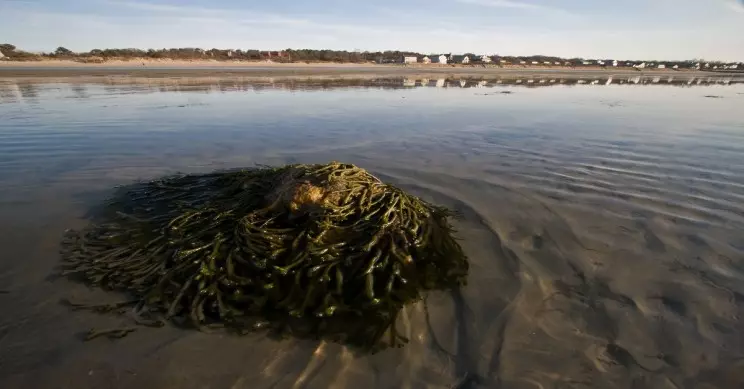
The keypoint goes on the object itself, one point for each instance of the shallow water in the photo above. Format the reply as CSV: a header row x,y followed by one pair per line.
x,y
603,218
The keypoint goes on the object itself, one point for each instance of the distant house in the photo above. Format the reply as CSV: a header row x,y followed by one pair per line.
x,y
547,63
535,63
734,66
675,67
441,59
229,53
587,63
2,55
614,63
440,83
557,63
662,66
426,60
409,59
600,63
523,62
463,59
485,59
503,62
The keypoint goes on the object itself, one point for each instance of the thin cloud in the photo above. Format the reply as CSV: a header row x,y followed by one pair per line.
x,y
513,4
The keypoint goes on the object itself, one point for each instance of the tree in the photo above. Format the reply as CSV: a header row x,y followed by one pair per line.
x,y
7,48
62,51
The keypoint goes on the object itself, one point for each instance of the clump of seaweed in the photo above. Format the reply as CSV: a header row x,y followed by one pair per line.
x,y
326,251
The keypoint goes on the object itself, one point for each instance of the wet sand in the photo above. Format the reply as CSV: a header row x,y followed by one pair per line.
x,y
605,240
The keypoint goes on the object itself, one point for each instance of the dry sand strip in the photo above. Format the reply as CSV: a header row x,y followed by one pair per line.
x,y
155,69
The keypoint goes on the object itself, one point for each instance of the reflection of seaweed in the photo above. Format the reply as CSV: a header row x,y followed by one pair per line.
x,y
309,250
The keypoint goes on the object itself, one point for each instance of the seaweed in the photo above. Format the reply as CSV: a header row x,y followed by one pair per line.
x,y
323,251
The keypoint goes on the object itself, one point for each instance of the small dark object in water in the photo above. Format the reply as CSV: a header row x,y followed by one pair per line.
x,y
325,251
714,96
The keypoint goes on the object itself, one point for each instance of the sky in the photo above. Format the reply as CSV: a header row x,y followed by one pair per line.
x,y
626,29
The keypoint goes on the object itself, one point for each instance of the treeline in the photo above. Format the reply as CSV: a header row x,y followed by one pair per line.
x,y
11,52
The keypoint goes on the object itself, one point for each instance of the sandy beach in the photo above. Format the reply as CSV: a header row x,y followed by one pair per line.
x,y
168,68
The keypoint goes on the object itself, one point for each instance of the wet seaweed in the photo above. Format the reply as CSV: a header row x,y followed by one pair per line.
x,y
324,251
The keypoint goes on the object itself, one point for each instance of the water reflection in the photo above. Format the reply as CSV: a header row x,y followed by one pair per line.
x,y
14,91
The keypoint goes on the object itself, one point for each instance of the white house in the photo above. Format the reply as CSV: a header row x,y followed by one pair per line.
x,y
535,63
640,66
502,61
2,55
485,59
426,60
442,59
675,67
614,63
410,59
735,66
440,82
587,62
601,63
523,62
662,66
547,63
557,63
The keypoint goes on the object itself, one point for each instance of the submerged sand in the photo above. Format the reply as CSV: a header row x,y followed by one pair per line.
x,y
593,264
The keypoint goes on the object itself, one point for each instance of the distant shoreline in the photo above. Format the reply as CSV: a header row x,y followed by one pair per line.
x,y
171,68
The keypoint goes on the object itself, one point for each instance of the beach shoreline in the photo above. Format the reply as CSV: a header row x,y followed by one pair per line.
x,y
170,68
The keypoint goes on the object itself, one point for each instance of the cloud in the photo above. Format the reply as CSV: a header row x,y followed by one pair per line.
x,y
513,4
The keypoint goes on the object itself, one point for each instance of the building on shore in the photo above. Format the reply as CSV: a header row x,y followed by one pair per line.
x,y
463,59
426,60
409,59
2,55
440,59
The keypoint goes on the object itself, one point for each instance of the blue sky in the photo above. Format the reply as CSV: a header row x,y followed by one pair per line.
x,y
629,29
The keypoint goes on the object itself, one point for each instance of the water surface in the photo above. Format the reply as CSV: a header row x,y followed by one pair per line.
x,y
603,218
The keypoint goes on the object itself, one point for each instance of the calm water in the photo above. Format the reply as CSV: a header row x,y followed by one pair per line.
x,y
604,219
